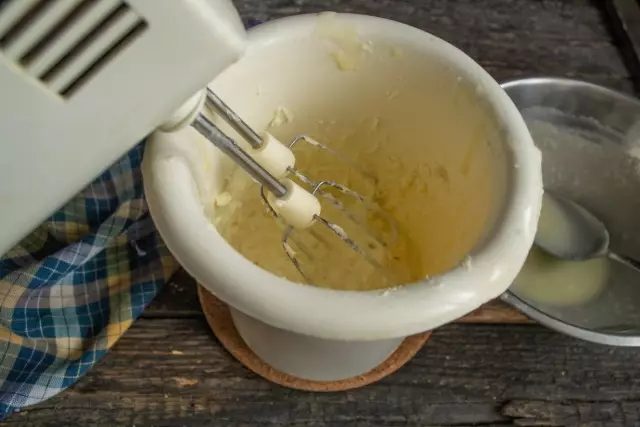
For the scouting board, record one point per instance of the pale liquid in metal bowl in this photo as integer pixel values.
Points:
(600, 170)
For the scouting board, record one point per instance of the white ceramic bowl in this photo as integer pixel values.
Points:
(286, 63)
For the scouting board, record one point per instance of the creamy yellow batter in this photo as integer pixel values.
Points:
(422, 147)
(440, 204)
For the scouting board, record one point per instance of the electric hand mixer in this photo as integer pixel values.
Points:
(81, 81)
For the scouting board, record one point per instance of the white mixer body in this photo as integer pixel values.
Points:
(81, 82)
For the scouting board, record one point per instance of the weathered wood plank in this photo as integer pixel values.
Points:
(628, 12)
(545, 413)
(178, 298)
(625, 24)
(172, 372)
(511, 38)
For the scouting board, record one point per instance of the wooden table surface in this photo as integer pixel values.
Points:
(169, 370)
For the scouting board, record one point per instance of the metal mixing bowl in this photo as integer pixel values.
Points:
(602, 172)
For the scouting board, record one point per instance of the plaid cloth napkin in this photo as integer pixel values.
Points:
(74, 286)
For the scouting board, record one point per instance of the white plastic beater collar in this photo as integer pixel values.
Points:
(298, 208)
(274, 156)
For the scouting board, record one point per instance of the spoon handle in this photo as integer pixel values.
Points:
(630, 262)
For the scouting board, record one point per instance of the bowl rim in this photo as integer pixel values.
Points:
(566, 328)
(550, 80)
(356, 315)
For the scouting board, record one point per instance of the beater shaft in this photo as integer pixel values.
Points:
(229, 116)
(210, 131)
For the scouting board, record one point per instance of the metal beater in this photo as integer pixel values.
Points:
(273, 189)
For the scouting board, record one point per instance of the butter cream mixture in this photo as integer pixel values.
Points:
(419, 145)
(439, 207)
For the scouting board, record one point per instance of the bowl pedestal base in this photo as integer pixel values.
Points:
(302, 362)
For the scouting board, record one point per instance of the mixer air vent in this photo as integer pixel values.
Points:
(64, 43)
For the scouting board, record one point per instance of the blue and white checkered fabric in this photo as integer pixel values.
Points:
(70, 289)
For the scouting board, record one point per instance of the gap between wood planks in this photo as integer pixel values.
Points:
(624, 24)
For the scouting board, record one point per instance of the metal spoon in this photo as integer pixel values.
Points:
(568, 231)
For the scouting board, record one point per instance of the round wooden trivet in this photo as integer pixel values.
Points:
(219, 319)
